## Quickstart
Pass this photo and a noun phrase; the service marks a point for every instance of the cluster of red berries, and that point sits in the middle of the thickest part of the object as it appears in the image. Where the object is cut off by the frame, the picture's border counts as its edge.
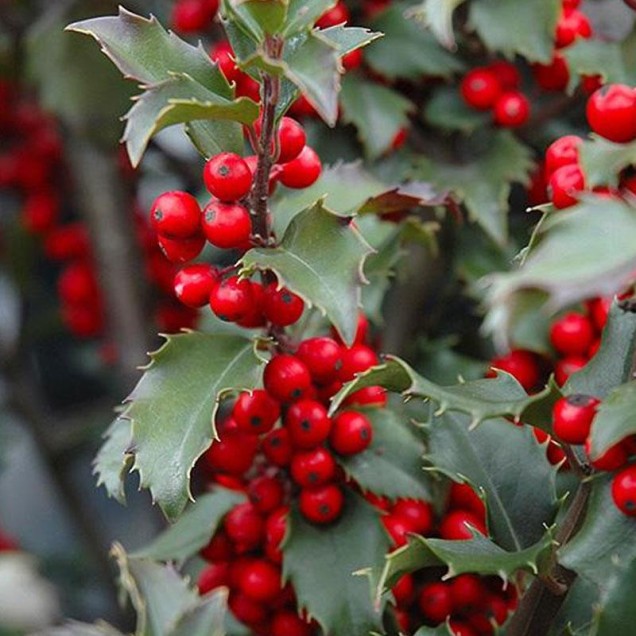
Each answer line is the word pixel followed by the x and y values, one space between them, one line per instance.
pixel 572 26
pixel 496 88
pixel 193 16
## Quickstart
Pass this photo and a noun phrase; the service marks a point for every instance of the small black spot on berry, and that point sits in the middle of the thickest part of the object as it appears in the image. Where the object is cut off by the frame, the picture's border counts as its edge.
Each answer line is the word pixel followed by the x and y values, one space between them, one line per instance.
pixel 256 420
pixel 305 425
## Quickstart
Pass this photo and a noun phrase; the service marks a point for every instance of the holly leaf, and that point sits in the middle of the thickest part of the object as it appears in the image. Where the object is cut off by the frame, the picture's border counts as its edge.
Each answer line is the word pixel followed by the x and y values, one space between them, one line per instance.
pixel 172 408
pixel 480 399
pixel 584 251
pixel 484 183
pixel 194 528
pixel 483 457
pixel 206 619
pixel 179 100
pixel 377 112
pixel 347 39
pixel 355 541
pixel 392 465
pixel 448 111
pixel 440 630
pixel 212 137
pixel 320 258
pixel 526 29
pixel 437 15
pixel 114 459
pixel 270 16
pixel 420 53
pixel 75 628
pixel 302 14
pixel 603 160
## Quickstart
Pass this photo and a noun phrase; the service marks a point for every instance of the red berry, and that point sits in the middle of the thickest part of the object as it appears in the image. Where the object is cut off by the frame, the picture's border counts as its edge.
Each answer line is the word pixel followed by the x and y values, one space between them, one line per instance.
pixel 312 468
pixel 226 225
pixel 553 76
pixel 308 423
pixel 339 14
pixel 232 299
pixel 260 581
pixel 67 242
pixel 562 152
pixel 40 212
pixel 190 16
pixel 522 364
pixel 459 628
pixel 219 548
pixel 193 284
pixel 246 610
pixel 511 109
pixel 254 317
pixel 181 250
pixel 368 396
pixel 291 138
pixel 459 525
pixel 175 215
pixel 323 357
pixel 612 459
pixel 256 412
pixel 248 87
pixel 302 171
pixel 227 176
pixel 351 433
pixel 397 529
pixel 565 184
pixel 467 592
pixel 223 55
pixel 286 378
pixel 213 576
pixel 404 590
pixel 77 284
pixel 275 529
pixel 565 367
pixel 233 453
pixel 506 73
pixel 352 60
pixel 497 609
pixel 277 447
pixel 435 602
pixel 572 25
pixel 480 88
pixel 288 623
pixel 572 417
pixel 245 526
pixel 417 514
pixel 321 505
pixel 598 310
pixel 281 306
pixel 611 112
pixel 266 493
pixel 356 359
pixel 624 491
pixel 572 334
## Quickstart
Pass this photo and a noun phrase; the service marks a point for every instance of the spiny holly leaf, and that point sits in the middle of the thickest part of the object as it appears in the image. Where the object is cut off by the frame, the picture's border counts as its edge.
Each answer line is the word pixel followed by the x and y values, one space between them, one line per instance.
pixel 526 28
pixel 302 14
pixel 392 465
pixel 437 15
pixel 194 528
pixel 440 630
pixel 587 250
pixel 320 257
pixel 212 137
pixel 378 112
pixel 75 628
pixel 269 15
pixel 355 541
pixel 420 53
pixel 172 408
pixel 143 50
pixel 603 160
pixel 612 363
pixel 348 39
pixel 448 111
pixel 179 100
pixel 518 509
pixel 114 459
pixel 206 619
pixel 481 399
pixel 479 555
pixel 484 183
pixel 575 615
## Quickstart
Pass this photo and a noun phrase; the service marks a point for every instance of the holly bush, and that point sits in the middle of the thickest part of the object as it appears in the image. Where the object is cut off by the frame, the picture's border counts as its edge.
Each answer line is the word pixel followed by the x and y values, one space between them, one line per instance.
pixel 408 404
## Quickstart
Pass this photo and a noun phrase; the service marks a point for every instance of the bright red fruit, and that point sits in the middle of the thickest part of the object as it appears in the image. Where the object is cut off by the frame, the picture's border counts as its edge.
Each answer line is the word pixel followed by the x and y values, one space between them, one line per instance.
pixel 435 602
pixel 286 378
pixel 277 447
pixel 213 576
pixel 339 14
pixel 219 548
pixel 565 184
pixel 397 529
pixel 459 525
pixel 565 367
pixel 245 526
pixel 572 417
pixel 404 589
pixel 190 16
pixel 321 505
pixel 181 250
pixel 467 591
pixel 256 412
pixel 562 152
pixel 351 433
pixel 275 529
pixel 308 423
pixel 247 610
pixel 522 364
pixel 368 396
pixel 302 171
pixel 611 112
pixel 77 284
pixel 356 359
pixel 232 299
pixel 260 581
pixel 226 225
pixel 572 25
pixel 417 514
pixel 323 357
pixel 553 76
pixel 572 334
pixel 233 453
pixel 480 88
pixel 193 284
pixel 511 109
pixel 314 467
pixel 624 491
pixel 281 306
pixel 463 496
pixel 507 74
pixel 223 54
pixel 175 215
pixel 460 628
pixel 227 176
pixel 612 459
pixel 288 623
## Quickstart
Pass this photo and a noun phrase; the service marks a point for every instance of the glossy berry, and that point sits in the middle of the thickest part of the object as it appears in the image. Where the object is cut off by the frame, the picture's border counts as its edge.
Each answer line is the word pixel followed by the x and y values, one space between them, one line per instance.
pixel 277 447
pixel 213 576
pixel 397 529
pixel 511 109
pixel 247 610
pixel 181 251
pixel 572 334
pixel 562 152
pixel 572 25
pixel 226 225
pixel 288 623
pixel 464 497
pixel 175 215
pixel 612 459
pixel 219 548
pixel 572 417
pixel 351 433
pixel 611 112
pixel 291 139
pixel 507 74
pixel 321 505
pixel 480 88
pixel 275 529
pixel 286 378
pixel 256 412
pixel 368 396
pixel 323 357
pixel 553 76
pixel 302 171
pixel 77 284
pixel 314 467
pixel 467 592
pixel 624 491
pixel 260 581
pixel 308 423
pixel 460 525
pixel 232 299
pixel 417 514
pixel 193 284
pixel 190 16
pixel 245 526
pixel 460 628
pixel 565 184
pixel 266 493
pixel 522 364
pixel 233 453
pixel 254 318
pixel 435 602
pixel 281 306
pixel 356 359
pixel 227 176
pixel 339 14
pixel 565 367
pixel 223 54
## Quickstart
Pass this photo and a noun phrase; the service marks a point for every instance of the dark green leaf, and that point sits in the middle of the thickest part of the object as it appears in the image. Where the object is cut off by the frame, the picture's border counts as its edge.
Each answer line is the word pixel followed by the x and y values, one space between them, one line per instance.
pixel 575 615
pixel 392 465
pixel 270 15
pixel 302 14
pixel 448 111
pixel 526 28
pixel 378 112
pixel 420 53
pixel 194 528
pixel 437 15
pixel 113 460
pixel 206 619
pixel 212 137
pixel 484 183
pixel 615 611
pixel 347 39
pixel 172 408
pixel 357 540
pixel 320 257
pixel 440 630
pixel 74 628
pixel 603 160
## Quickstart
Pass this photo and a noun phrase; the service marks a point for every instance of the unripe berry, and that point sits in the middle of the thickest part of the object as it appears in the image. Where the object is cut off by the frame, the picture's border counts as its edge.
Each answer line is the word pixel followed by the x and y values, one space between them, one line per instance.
pixel 572 417
pixel 175 215
pixel 227 176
